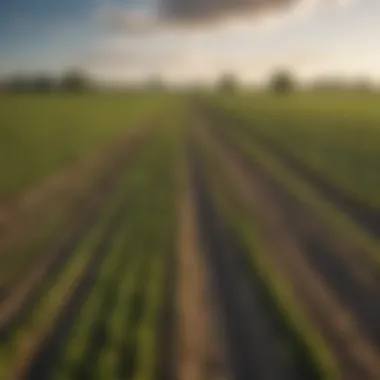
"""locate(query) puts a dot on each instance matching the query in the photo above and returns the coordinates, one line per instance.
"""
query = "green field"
(40, 134)
(338, 135)
(91, 291)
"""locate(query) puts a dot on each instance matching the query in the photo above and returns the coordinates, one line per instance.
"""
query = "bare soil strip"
(199, 347)
(167, 324)
(29, 221)
(42, 358)
(255, 348)
(357, 355)
(20, 299)
(354, 285)
(363, 214)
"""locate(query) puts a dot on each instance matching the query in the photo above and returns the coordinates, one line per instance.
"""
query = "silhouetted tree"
(75, 81)
(3, 85)
(155, 83)
(330, 84)
(282, 82)
(43, 84)
(29, 83)
(227, 83)
(17, 83)
(363, 85)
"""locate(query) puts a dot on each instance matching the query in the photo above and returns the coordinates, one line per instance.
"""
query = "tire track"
(20, 300)
(364, 215)
(199, 344)
(254, 346)
(354, 286)
(357, 356)
(40, 365)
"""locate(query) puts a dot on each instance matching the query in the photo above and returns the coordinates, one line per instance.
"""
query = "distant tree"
(43, 84)
(75, 81)
(330, 84)
(17, 83)
(155, 83)
(282, 82)
(363, 85)
(29, 83)
(227, 83)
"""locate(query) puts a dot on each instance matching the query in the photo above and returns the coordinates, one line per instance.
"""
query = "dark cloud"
(203, 12)
(194, 11)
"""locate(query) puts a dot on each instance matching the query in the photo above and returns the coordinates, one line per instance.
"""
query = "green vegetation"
(297, 186)
(114, 328)
(307, 354)
(130, 286)
(48, 306)
(125, 303)
(337, 135)
(39, 136)
(42, 133)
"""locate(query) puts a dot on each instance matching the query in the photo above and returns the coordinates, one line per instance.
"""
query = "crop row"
(307, 355)
(234, 128)
(336, 136)
(24, 336)
(332, 289)
(116, 334)
(41, 134)
(132, 238)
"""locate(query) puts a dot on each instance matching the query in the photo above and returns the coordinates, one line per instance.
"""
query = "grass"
(125, 303)
(298, 187)
(337, 135)
(308, 354)
(134, 278)
(40, 134)
(48, 306)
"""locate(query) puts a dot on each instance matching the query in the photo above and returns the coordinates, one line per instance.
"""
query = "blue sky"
(113, 41)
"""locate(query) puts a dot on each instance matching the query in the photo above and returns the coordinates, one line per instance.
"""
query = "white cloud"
(185, 14)
(182, 53)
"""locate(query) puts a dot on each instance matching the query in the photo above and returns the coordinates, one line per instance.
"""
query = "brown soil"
(37, 362)
(198, 346)
(18, 299)
(363, 214)
(340, 262)
(256, 345)
(38, 207)
(337, 321)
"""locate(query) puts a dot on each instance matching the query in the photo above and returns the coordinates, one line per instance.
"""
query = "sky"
(191, 40)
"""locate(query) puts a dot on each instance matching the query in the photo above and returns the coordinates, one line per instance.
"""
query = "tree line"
(72, 81)
(282, 81)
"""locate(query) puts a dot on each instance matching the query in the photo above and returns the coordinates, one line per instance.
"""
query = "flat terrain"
(178, 237)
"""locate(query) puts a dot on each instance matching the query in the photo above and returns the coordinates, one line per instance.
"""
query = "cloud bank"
(195, 13)
(213, 10)
(208, 47)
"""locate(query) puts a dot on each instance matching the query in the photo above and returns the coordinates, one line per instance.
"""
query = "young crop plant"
(307, 354)
(121, 339)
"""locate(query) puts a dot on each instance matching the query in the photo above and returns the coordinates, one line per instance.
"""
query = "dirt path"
(358, 357)
(40, 360)
(354, 282)
(254, 346)
(200, 352)
(20, 299)
(30, 219)
(363, 214)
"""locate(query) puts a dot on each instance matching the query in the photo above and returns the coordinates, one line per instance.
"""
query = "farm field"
(332, 140)
(189, 237)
